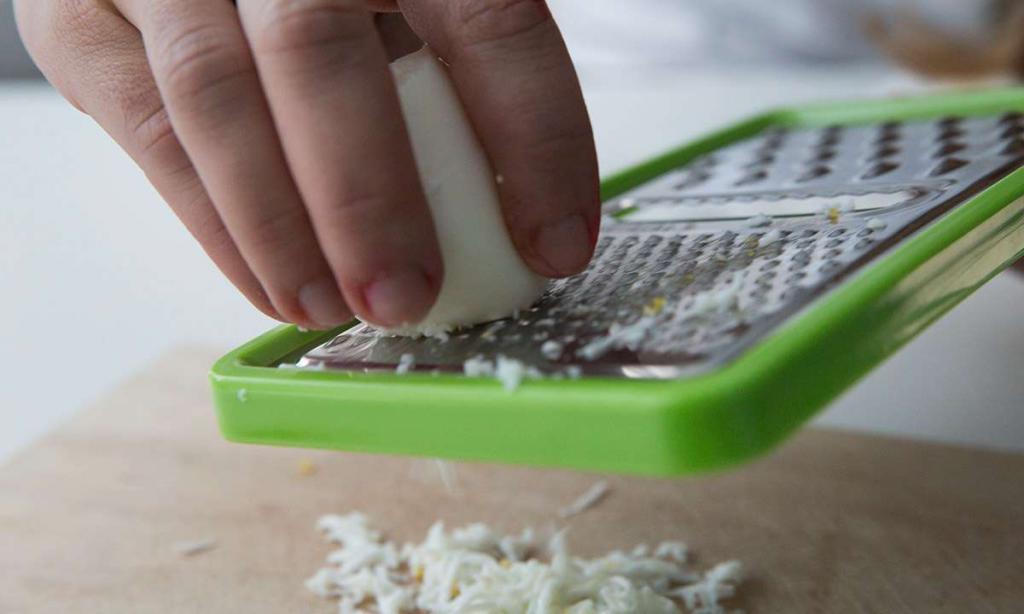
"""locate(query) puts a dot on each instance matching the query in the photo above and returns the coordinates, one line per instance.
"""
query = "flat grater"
(738, 285)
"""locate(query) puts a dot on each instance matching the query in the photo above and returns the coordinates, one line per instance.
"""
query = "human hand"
(274, 132)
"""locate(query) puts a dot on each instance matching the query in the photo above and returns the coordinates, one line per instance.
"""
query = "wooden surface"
(832, 522)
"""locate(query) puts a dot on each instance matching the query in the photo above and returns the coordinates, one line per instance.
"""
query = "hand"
(273, 131)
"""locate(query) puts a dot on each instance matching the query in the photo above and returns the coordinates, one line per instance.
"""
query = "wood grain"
(832, 522)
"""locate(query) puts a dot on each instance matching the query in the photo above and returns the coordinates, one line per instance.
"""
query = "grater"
(739, 283)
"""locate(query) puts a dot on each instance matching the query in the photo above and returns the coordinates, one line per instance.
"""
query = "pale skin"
(273, 131)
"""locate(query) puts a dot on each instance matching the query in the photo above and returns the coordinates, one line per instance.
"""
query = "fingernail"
(564, 245)
(323, 303)
(400, 297)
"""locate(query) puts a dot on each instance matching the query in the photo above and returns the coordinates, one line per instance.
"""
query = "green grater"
(740, 283)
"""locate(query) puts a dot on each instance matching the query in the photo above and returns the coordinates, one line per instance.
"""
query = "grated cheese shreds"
(619, 336)
(509, 371)
(405, 364)
(551, 349)
(875, 224)
(772, 236)
(475, 570)
(587, 500)
(759, 221)
(446, 472)
(194, 547)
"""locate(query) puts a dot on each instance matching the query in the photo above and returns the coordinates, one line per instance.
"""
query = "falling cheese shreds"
(587, 500)
(475, 569)
(509, 371)
(478, 366)
(195, 546)
(446, 472)
(405, 364)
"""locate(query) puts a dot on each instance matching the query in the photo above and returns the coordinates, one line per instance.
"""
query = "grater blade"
(696, 266)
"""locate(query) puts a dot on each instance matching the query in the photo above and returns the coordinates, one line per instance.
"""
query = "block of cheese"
(484, 276)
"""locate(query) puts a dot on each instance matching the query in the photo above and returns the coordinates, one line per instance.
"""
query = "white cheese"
(475, 569)
(587, 500)
(484, 276)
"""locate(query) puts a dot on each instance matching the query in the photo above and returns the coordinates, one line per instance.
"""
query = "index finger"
(517, 82)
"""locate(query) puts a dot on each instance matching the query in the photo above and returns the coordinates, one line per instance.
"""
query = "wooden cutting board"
(832, 522)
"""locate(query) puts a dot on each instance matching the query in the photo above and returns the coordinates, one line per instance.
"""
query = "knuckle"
(208, 229)
(358, 209)
(552, 141)
(198, 58)
(273, 233)
(149, 124)
(482, 22)
(305, 26)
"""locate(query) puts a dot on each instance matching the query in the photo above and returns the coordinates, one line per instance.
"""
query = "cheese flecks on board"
(475, 569)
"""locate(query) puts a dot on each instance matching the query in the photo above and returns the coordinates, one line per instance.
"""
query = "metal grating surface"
(695, 266)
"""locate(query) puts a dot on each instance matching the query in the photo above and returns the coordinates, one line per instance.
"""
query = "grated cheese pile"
(474, 570)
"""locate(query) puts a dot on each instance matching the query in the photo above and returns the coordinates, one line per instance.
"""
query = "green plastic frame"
(656, 427)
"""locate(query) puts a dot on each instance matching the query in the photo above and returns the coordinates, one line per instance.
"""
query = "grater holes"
(1013, 148)
(883, 151)
(815, 172)
(949, 149)
(630, 269)
(802, 257)
(823, 154)
(693, 178)
(761, 159)
(829, 267)
(772, 141)
(1010, 118)
(751, 178)
(830, 136)
(947, 165)
(949, 134)
(888, 133)
(879, 169)
(1011, 132)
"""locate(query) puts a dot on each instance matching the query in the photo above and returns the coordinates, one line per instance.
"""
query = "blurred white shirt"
(673, 32)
